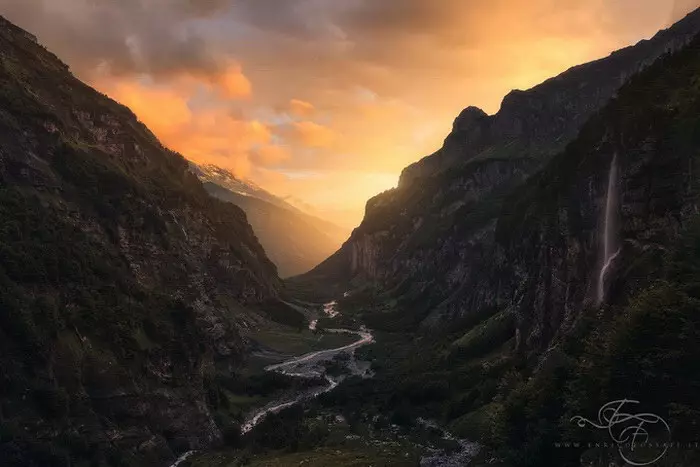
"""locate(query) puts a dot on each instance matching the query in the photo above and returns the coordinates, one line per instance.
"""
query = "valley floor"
(305, 425)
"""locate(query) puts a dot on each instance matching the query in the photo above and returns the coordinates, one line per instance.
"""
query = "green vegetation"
(319, 457)
(485, 336)
(113, 259)
(92, 345)
(644, 353)
(520, 402)
(292, 342)
(282, 313)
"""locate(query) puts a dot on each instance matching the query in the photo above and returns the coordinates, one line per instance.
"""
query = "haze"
(324, 102)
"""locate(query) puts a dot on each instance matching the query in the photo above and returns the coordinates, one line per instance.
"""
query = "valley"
(374, 439)
(541, 264)
(309, 366)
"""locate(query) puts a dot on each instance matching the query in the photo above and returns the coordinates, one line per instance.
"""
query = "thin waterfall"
(610, 248)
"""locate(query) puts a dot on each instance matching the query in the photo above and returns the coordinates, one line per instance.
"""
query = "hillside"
(123, 284)
(542, 264)
(294, 241)
(226, 179)
(586, 294)
(428, 241)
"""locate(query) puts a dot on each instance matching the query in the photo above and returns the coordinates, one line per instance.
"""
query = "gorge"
(542, 263)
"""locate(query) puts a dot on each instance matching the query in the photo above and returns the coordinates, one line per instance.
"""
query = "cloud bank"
(325, 101)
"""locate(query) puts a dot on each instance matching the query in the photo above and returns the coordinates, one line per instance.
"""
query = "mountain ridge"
(526, 317)
(124, 284)
(571, 96)
(295, 240)
(427, 241)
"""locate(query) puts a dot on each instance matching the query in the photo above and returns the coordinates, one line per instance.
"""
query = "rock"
(471, 230)
(122, 282)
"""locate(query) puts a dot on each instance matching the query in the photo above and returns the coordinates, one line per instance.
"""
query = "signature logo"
(632, 432)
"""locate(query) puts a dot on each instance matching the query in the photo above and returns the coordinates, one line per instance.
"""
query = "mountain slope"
(295, 241)
(535, 346)
(632, 174)
(225, 179)
(122, 282)
(540, 122)
(429, 241)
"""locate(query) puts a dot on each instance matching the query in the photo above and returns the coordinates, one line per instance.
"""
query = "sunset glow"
(325, 102)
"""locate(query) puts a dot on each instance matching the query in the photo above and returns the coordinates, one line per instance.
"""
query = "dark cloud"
(129, 36)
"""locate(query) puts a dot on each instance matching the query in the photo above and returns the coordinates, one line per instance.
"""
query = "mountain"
(538, 123)
(553, 292)
(123, 284)
(226, 179)
(595, 269)
(430, 241)
(295, 241)
(514, 284)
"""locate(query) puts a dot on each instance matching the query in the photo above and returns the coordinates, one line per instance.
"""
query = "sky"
(324, 102)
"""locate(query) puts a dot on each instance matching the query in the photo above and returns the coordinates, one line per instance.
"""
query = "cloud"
(317, 97)
(212, 135)
(270, 155)
(233, 83)
(300, 108)
(127, 37)
(312, 135)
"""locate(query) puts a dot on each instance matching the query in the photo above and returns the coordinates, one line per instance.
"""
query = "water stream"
(442, 458)
(183, 458)
(309, 366)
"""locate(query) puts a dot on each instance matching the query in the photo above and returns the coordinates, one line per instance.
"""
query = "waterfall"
(609, 230)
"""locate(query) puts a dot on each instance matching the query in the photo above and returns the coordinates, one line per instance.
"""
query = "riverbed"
(311, 365)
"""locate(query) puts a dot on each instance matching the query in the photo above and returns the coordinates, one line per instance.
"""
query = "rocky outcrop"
(550, 233)
(445, 242)
(540, 122)
(123, 284)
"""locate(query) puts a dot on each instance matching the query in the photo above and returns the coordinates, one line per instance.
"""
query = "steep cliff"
(122, 282)
(530, 336)
(596, 264)
(550, 234)
(541, 121)
(431, 242)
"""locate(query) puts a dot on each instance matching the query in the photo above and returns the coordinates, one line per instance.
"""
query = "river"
(311, 366)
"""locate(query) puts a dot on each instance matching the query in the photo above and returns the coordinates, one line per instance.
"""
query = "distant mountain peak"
(227, 179)
(295, 240)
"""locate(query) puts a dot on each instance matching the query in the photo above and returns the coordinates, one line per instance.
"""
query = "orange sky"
(325, 101)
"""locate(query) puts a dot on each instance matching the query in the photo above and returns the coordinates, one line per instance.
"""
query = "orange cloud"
(435, 57)
(207, 136)
(228, 82)
(161, 109)
(313, 135)
(232, 83)
(301, 108)
(271, 155)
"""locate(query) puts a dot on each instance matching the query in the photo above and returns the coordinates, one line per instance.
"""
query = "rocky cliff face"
(540, 122)
(550, 233)
(432, 242)
(122, 283)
